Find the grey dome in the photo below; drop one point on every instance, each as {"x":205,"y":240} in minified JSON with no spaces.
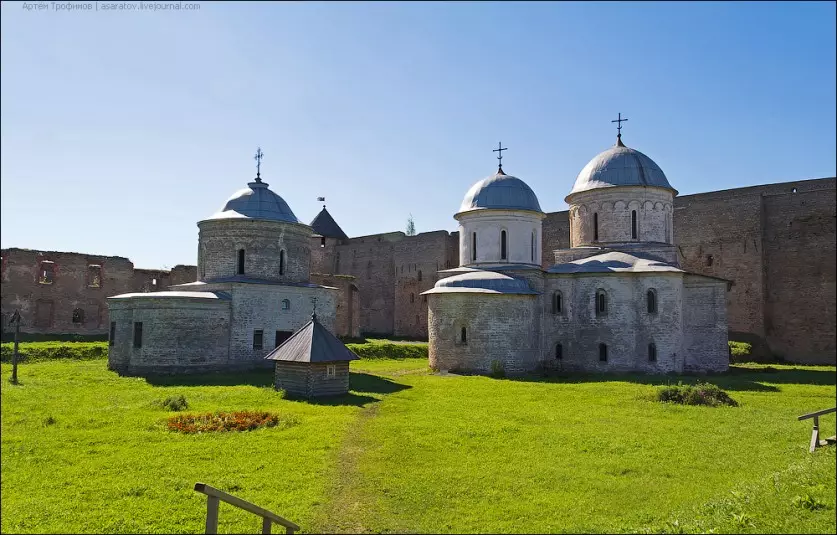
{"x":500,"y":192}
{"x":482,"y":282}
{"x":620,"y":166}
{"x":256,"y":201}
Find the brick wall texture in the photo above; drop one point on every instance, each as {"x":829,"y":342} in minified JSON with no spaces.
{"x":775,"y":242}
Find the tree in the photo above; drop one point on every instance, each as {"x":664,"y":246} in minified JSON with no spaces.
{"x":411,"y":226}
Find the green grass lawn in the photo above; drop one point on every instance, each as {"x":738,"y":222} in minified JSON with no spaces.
{"x":408,"y":451}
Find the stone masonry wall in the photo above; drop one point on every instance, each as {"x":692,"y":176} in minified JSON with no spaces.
{"x":347,"y":319}
{"x":494,"y":332}
{"x":704,"y":325}
{"x":51,"y":307}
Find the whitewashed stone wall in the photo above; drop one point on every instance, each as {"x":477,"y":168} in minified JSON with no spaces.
{"x":220,"y":240}
{"x":626,"y":327}
{"x":499,"y":328}
{"x":259,"y":306}
{"x":488,"y":225}
{"x":179,"y":334}
{"x":614,"y":206}
{"x":705,"y":340}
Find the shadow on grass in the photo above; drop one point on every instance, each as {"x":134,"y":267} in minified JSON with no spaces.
{"x":736,"y":379}
{"x":359,"y":383}
{"x":251,"y":378}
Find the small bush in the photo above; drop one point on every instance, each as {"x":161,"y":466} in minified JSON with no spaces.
{"x":808,"y":502}
{"x":498,"y":371}
{"x":226,"y":421}
{"x":175,"y":403}
{"x":700,"y":394}
{"x":49,"y":420}
{"x":740,"y":351}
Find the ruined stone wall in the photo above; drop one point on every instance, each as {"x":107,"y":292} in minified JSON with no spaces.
{"x":73,"y":294}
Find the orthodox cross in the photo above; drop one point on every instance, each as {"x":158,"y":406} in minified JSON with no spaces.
{"x":620,"y":120}
{"x":499,"y":150}
{"x":258,"y":158}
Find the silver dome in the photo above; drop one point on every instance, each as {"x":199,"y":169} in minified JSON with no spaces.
{"x":620,"y":166}
{"x":256,"y":201}
{"x":482,"y":282}
{"x":500,"y":192}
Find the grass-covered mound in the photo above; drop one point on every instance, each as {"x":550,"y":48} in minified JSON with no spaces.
{"x":43,"y":351}
{"x":225,"y":421}
{"x":699,"y":394}
{"x":740,"y":351}
{"x":55,"y":350}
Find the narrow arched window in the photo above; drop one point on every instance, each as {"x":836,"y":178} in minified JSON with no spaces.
{"x":633,"y":224}
{"x":241,"y":261}
{"x":78,"y":316}
{"x":503,"y":251}
{"x":533,"y":246}
{"x":652,"y":352}
{"x":473,"y":246}
{"x":603,"y":352}
{"x":596,"y":227}
{"x":322,"y":241}
{"x":463,"y":336}
{"x":412,"y":297}
{"x":419,"y":275}
{"x":559,"y":352}
{"x":282,"y":262}
{"x":286,"y":305}
{"x":557,"y":303}
{"x":601,"y":303}
{"x":652,"y":301}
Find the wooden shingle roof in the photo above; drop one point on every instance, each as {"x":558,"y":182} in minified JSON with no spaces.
{"x":312,"y":343}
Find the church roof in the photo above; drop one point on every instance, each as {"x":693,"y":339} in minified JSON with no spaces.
{"x":256,"y":201}
{"x":312,"y":343}
{"x":175,"y":294}
{"x":620,"y":166}
{"x":325,"y":225}
{"x":500,"y":192}
{"x":615,"y":262}
{"x":479,"y":281}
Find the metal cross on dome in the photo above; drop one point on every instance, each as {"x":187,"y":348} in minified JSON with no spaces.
{"x":499,"y":150}
{"x":620,"y":120}
{"x":258,"y":158}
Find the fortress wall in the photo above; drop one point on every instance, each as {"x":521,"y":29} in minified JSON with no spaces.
{"x":800,"y":312}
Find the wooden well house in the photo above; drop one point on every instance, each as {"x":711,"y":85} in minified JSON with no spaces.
{"x":312,"y":362}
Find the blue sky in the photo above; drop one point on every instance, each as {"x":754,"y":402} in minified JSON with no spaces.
{"x":120,"y":130}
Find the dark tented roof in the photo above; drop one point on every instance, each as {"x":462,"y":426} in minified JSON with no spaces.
{"x":312,"y":343}
{"x":325,"y":225}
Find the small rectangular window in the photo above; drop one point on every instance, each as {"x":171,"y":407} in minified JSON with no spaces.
{"x":112,"y":337}
{"x":258,"y":339}
{"x":47,"y":272}
{"x":603,"y":352}
{"x":137,"y":334}
{"x":331,"y":371}
{"x":94,"y":276}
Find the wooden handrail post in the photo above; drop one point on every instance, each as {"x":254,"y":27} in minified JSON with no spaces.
{"x":215,"y":496}
{"x":212,"y":514}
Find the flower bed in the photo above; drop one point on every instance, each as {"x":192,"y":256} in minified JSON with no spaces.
{"x":225,"y":421}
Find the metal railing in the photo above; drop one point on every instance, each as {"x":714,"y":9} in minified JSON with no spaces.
{"x":215,"y":496}
{"x":815,"y":435}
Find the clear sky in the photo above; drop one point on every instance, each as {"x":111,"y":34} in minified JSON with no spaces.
{"x":120,"y":130}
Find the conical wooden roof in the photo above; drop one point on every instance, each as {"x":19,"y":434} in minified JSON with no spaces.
{"x":325,"y":225}
{"x":312,"y":343}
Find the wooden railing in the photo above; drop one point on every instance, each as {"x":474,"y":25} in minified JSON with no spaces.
{"x":815,"y":435}
{"x":215,"y":496}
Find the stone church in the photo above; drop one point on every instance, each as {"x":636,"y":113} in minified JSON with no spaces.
{"x":253,"y":291}
{"x":617,"y":300}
